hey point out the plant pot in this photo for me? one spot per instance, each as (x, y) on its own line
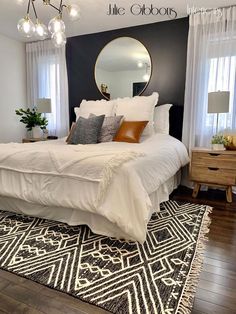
(36, 132)
(218, 147)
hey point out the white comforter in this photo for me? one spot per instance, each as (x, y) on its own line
(46, 173)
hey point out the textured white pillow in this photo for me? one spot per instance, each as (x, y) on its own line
(96, 107)
(138, 108)
(77, 112)
(161, 119)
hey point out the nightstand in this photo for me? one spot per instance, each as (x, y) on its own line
(213, 168)
(33, 140)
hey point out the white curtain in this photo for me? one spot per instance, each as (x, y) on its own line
(47, 78)
(211, 66)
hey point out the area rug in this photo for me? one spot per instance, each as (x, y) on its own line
(121, 277)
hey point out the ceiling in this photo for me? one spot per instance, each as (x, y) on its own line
(94, 17)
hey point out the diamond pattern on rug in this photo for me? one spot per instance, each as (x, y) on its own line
(118, 276)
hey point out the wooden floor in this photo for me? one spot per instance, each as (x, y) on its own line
(216, 292)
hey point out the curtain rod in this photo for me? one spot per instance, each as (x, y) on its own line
(211, 9)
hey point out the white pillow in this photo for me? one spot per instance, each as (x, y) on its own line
(77, 112)
(97, 107)
(161, 119)
(138, 108)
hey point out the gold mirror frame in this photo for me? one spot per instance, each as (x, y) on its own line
(103, 87)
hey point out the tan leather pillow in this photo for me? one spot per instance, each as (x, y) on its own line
(130, 131)
(73, 125)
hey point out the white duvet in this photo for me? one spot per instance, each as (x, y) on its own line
(48, 173)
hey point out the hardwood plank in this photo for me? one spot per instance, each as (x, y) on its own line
(10, 306)
(220, 254)
(215, 245)
(205, 307)
(220, 280)
(220, 264)
(11, 277)
(37, 301)
(215, 298)
(219, 289)
(226, 239)
(4, 283)
(219, 271)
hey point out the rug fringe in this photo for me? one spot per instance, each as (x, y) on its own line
(186, 302)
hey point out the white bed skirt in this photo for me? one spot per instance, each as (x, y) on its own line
(73, 217)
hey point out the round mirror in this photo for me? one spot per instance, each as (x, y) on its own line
(123, 68)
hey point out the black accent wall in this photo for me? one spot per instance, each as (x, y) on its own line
(166, 43)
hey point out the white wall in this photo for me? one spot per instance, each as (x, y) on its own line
(120, 83)
(123, 86)
(12, 89)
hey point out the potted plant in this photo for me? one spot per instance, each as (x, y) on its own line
(33, 120)
(219, 142)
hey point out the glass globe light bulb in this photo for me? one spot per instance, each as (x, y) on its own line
(140, 64)
(20, 2)
(74, 12)
(146, 77)
(56, 25)
(41, 30)
(59, 39)
(26, 27)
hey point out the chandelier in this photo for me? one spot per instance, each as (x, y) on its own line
(56, 27)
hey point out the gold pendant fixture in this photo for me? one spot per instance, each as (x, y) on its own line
(56, 26)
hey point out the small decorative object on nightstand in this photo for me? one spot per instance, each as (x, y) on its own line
(213, 168)
(219, 142)
(33, 121)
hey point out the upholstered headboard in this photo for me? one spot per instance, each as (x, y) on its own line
(176, 121)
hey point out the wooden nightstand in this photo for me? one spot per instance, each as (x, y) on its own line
(213, 168)
(33, 140)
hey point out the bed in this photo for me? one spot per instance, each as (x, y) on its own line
(114, 188)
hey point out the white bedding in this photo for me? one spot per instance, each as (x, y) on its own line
(122, 177)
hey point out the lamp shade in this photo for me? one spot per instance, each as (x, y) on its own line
(218, 102)
(44, 105)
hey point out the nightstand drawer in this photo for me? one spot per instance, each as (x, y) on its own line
(214, 160)
(213, 175)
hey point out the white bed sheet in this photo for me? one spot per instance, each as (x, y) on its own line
(73, 217)
(36, 175)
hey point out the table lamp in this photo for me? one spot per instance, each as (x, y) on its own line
(44, 105)
(218, 102)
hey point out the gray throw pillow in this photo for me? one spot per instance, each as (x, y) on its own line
(87, 131)
(109, 128)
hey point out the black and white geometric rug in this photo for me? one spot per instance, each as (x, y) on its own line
(158, 277)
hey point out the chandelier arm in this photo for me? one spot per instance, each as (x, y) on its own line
(61, 6)
(28, 8)
(53, 6)
(35, 13)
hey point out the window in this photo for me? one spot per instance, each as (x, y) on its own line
(48, 69)
(222, 76)
(47, 78)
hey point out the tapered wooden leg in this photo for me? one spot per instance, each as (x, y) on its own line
(229, 195)
(196, 189)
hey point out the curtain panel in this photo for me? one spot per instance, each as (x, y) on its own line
(47, 78)
(211, 66)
